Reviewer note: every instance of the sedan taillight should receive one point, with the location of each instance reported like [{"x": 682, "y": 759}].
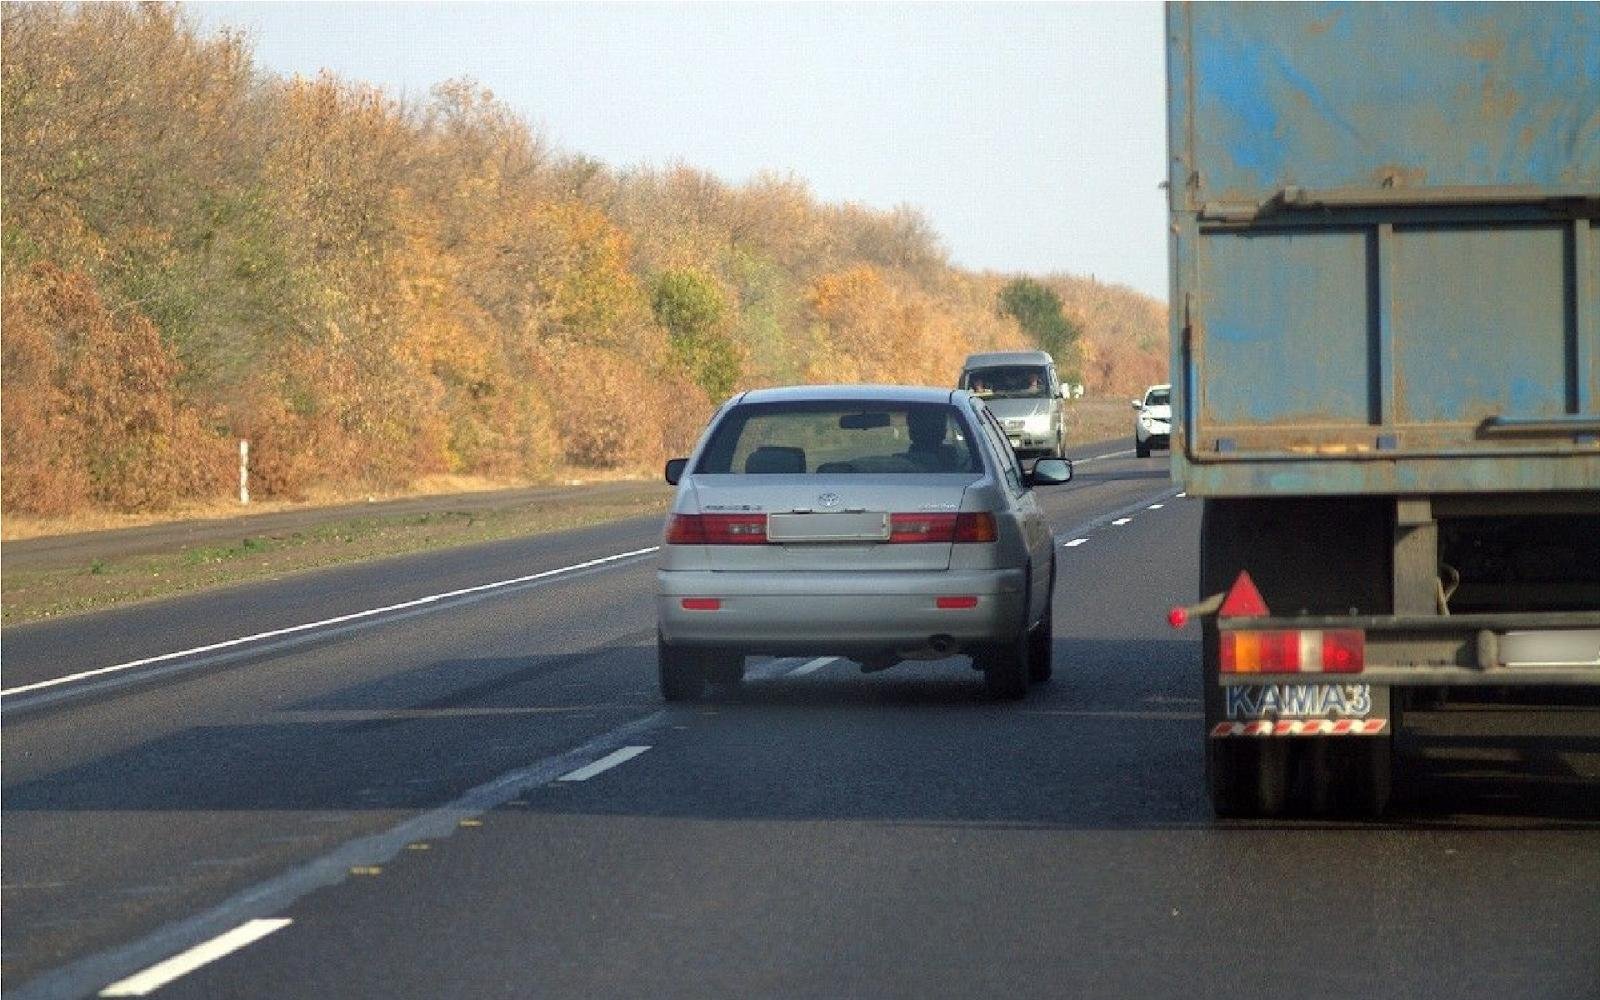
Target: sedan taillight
[
  {"x": 717, "y": 529},
  {"x": 946, "y": 528}
]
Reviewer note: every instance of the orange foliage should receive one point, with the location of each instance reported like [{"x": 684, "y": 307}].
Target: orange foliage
[
  {"x": 91, "y": 410},
  {"x": 373, "y": 290}
]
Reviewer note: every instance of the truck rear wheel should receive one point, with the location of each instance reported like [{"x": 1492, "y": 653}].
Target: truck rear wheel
[
  {"x": 1247, "y": 777},
  {"x": 1287, "y": 546}
]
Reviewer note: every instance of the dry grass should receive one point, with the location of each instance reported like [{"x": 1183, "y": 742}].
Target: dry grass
[
  {"x": 1098, "y": 419},
  {"x": 29, "y": 594},
  {"x": 16, "y": 527}
]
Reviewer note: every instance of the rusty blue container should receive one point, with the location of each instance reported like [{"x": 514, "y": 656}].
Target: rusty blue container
[{"x": 1385, "y": 253}]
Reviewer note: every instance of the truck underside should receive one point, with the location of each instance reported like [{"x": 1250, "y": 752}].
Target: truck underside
[{"x": 1455, "y": 592}]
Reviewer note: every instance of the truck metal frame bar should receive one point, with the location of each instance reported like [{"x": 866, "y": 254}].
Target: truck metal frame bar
[{"x": 1441, "y": 650}]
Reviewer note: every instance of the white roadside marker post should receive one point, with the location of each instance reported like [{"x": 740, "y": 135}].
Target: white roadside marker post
[{"x": 244, "y": 471}]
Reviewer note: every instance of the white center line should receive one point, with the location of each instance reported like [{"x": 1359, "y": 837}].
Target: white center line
[
  {"x": 324, "y": 623},
  {"x": 605, "y": 763},
  {"x": 812, "y": 667},
  {"x": 1074, "y": 543},
  {"x": 162, "y": 973},
  {"x": 1155, "y": 506},
  {"x": 1119, "y": 522}
]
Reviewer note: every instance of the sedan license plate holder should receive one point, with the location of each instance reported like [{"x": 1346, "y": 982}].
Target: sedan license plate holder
[{"x": 854, "y": 526}]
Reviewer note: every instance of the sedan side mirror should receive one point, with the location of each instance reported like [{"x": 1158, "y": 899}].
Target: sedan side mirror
[
  {"x": 1050, "y": 472},
  {"x": 1137, "y": 405},
  {"x": 675, "y": 467}
]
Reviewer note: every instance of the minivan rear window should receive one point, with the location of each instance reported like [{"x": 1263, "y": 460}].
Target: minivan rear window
[
  {"x": 835, "y": 437},
  {"x": 1008, "y": 381}
]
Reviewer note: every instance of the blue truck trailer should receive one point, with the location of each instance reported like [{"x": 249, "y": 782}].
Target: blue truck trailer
[{"x": 1385, "y": 300}]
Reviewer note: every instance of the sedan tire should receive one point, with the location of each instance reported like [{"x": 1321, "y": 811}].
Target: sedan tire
[
  {"x": 681, "y": 674},
  {"x": 1005, "y": 668},
  {"x": 1041, "y": 641}
]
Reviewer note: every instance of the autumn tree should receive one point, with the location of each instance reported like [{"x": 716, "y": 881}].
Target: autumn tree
[
  {"x": 1037, "y": 309},
  {"x": 691, "y": 308}
]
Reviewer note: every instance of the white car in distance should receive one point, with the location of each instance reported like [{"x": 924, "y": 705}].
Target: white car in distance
[{"x": 1152, "y": 426}]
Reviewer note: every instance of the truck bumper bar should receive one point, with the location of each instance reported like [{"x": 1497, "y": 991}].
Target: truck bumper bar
[{"x": 1551, "y": 648}]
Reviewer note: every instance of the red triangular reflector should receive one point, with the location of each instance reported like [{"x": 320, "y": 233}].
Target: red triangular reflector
[{"x": 1243, "y": 600}]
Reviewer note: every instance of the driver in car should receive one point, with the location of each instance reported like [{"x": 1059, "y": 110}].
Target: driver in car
[{"x": 928, "y": 450}]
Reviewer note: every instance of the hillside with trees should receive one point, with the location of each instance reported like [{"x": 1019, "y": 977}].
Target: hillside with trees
[{"x": 373, "y": 290}]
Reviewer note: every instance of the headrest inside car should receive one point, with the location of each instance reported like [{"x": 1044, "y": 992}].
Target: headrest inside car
[{"x": 770, "y": 460}]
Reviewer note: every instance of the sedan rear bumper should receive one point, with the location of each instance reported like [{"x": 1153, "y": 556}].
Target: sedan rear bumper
[{"x": 838, "y": 613}]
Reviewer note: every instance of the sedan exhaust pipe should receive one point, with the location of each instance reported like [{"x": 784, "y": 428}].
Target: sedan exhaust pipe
[{"x": 938, "y": 647}]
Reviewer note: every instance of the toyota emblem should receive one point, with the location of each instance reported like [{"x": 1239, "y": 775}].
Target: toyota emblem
[{"x": 828, "y": 501}]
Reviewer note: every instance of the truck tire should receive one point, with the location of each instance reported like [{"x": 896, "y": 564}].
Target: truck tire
[
  {"x": 1247, "y": 778},
  {"x": 679, "y": 671},
  {"x": 1285, "y": 544}
]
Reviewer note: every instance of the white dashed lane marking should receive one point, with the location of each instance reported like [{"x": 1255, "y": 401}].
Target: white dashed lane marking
[
  {"x": 605, "y": 763},
  {"x": 1074, "y": 543},
  {"x": 812, "y": 667},
  {"x": 1119, "y": 522},
  {"x": 1156, "y": 506},
  {"x": 162, "y": 973}
]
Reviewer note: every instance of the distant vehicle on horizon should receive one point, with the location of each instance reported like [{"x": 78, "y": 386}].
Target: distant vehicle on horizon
[
  {"x": 1023, "y": 392},
  {"x": 1152, "y": 427}
]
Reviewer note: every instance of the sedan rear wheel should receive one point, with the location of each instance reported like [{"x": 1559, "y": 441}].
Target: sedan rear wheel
[
  {"x": 680, "y": 671},
  {"x": 1005, "y": 668},
  {"x": 725, "y": 671},
  {"x": 1041, "y": 641}
]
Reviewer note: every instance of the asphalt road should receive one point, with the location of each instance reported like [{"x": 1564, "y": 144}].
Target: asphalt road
[{"x": 391, "y": 786}]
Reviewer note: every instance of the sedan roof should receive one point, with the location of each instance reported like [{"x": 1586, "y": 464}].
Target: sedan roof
[{"x": 849, "y": 393}]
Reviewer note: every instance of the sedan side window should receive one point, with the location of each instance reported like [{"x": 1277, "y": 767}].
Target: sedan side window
[{"x": 1005, "y": 459}]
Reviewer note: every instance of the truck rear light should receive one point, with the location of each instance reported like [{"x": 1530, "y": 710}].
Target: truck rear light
[
  {"x": 1308, "y": 651},
  {"x": 955, "y": 603},
  {"x": 946, "y": 528},
  {"x": 702, "y": 603},
  {"x": 717, "y": 529}
]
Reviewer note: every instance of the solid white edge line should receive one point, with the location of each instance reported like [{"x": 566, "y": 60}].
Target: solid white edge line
[
  {"x": 811, "y": 667},
  {"x": 605, "y": 763},
  {"x": 1119, "y": 522},
  {"x": 1074, "y": 543},
  {"x": 185, "y": 962},
  {"x": 324, "y": 623},
  {"x": 1109, "y": 454}
]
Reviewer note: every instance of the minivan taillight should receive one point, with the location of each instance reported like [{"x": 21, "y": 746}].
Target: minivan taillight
[{"x": 717, "y": 529}]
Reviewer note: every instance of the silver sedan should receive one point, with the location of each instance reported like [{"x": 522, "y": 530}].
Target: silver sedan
[{"x": 879, "y": 523}]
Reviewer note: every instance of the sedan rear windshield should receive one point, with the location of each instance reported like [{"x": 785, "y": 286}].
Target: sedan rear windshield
[{"x": 840, "y": 437}]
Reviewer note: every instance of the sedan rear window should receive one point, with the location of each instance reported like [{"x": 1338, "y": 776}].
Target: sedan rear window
[{"x": 840, "y": 437}]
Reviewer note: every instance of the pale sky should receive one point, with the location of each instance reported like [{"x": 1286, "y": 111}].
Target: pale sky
[{"x": 1030, "y": 135}]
